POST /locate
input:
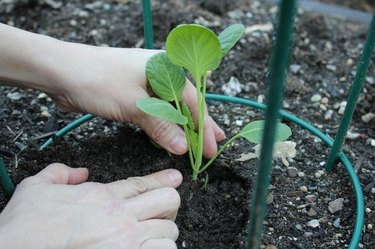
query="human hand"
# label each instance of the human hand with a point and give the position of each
(108, 82)
(57, 209)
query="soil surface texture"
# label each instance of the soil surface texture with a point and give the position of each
(301, 195)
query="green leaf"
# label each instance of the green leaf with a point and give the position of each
(230, 36)
(195, 48)
(253, 132)
(161, 109)
(166, 79)
(186, 112)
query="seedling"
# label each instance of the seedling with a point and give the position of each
(198, 50)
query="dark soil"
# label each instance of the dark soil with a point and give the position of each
(216, 217)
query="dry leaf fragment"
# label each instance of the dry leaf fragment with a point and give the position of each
(285, 150)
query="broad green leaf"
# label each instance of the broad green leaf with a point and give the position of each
(186, 112)
(193, 136)
(166, 79)
(162, 109)
(230, 36)
(195, 48)
(253, 132)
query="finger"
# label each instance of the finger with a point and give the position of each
(162, 203)
(219, 133)
(134, 186)
(58, 173)
(209, 140)
(159, 244)
(167, 134)
(159, 229)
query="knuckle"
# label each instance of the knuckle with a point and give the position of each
(138, 184)
(27, 182)
(162, 130)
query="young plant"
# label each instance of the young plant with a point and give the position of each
(198, 50)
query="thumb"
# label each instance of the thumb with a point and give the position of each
(58, 173)
(167, 134)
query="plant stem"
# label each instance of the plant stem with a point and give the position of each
(219, 152)
(186, 134)
(200, 100)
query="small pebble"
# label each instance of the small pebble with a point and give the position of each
(372, 190)
(324, 101)
(73, 23)
(42, 96)
(299, 227)
(323, 107)
(45, 114)
(369, 226)
(313, 223)
(301, 174)
(14, 96)
(183, 244)
(308, 234)
(312, 212)
(342, 107)
(310, 198)
(83, 14)
(370, 80)
(336, 223)
(368, 210)
(316, 98)
(292, 171)
(303, 189)
(372, 142)
(328, 115)
(294, 68)
(239, 123)
(352, 135)
(331, 68)
(349, 62)
(368, 117)
(336, 205)
(328, 45)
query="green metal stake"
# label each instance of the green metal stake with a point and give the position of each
(274, 99)
(359, 78)
(5, 180)
(147, 22)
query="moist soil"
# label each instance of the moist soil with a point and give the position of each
(323, 62)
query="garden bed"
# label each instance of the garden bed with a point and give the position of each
(323, 62)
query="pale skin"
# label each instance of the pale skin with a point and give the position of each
(58, 208)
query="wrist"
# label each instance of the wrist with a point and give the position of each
(30, 63)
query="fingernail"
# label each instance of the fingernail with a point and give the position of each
(178, 144)
(174, 176)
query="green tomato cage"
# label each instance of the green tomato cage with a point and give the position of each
(275, 81)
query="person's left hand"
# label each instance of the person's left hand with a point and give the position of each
(108, 82)
(57, 208)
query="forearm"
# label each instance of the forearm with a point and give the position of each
(28, 59)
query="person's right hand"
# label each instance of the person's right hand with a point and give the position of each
(57, 208)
